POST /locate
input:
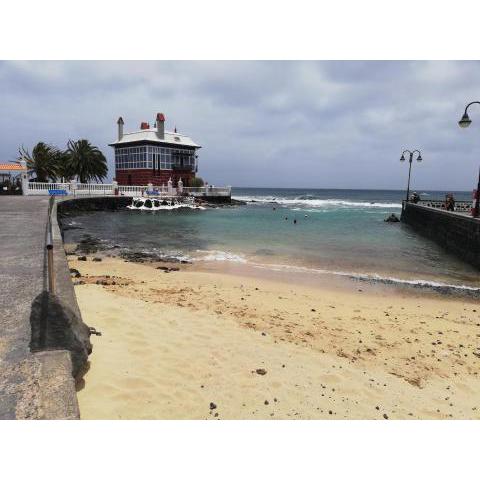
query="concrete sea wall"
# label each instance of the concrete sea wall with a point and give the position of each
(69, 206)
(456, 233)
(43, 344)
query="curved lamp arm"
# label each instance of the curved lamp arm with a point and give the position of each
(465, 120)
(471, 103)
(419, 157)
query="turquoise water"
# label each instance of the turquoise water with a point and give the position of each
(341, 231)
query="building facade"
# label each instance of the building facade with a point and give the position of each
(154, 155)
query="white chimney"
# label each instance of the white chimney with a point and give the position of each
(160, 125)
(120, 128)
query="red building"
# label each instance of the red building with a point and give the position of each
(154, 155)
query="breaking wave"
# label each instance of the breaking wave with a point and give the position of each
(219, 256)
(309, 202)
(436, 286)
(376, 278)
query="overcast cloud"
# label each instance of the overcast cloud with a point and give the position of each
(272, 124)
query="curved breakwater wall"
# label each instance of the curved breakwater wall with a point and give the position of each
(84, 204)
(44, 343)
(79, 204)
(456, 233)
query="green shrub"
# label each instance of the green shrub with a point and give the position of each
(196, 182)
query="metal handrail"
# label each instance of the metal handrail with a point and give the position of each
(49, 247)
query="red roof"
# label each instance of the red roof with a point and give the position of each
(11, 166)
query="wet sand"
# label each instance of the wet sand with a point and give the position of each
(232, 342)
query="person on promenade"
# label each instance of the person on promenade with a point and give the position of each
(450, 202)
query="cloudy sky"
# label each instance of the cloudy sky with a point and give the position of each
(274, 124)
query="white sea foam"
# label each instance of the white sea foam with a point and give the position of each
(177, 256)
(318, 203)
(217, 255)
(166, 254)
(220, 256)
(374, 277)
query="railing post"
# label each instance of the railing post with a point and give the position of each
(51, 272)
(25, 185)
(73, 187)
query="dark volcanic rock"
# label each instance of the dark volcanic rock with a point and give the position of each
(96, 259)
(88, 244)
(168, 269)
(392, 219)
(213, 406)
(74, 273)
(233, 201)
(261, 371)
(143, 257)
(70, 208)
(83, 258)
(139, 257)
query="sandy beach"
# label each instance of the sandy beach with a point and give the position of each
(228, 342)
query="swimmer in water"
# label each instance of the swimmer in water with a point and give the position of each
(294, 220)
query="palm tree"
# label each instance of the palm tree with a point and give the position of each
(85, 161)
(63, 166)
(43, 161)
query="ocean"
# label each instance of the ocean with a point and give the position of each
(336, 232)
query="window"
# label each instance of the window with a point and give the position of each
(153, 156)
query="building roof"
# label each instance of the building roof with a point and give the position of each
(150, 135)
(11, 166)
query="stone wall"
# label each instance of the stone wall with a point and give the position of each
(89, 204)
(70, 206)
(458, 234)
(144, 176)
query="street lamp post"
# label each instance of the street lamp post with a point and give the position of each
(410, 160)
(464, 123)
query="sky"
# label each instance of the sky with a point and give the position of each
(322, 124)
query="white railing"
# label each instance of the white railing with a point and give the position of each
(93, 189)
(208, 191)
(132, 190)
(106, 189)
(460, 205)
(40, 188)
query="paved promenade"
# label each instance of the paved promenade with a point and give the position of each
(32, 385)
